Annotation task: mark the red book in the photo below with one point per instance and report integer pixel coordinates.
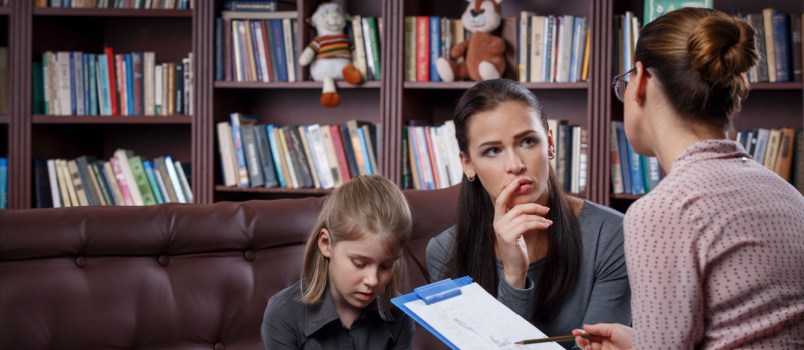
(267, 46)
(343, 164)
(430, 149)
(112, 86)
(422, 48)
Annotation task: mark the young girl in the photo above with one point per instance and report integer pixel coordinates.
(350, 273)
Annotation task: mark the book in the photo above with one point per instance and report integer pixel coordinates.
(75, 177)
(772, 148)
(781, 46)
(161, 167)
(227, 156)
(770, 50)
(332, 157)
(312, 162)
(42, 185)
(130, 181)
(361, 161)
(141, 180)
(149, 83)
(319, 152)
(3, 183)
(298, 157)
(147, 167)
(65, 182)
(255, 175)
(182, 169)
(625, 158)
(249, 5)
(614, 162)
(265, 157)
(160, 182)
(56, 194)
(796, 46)
(422, 48)
(101, 183)
(174, 180)
(655, 8)
(463, 315)
(346, 141)
(637, 182)
(371, 39)
(435, 46)
(278, 49)
(92, 192)
(784, 161)
(276, 156)
(288, 166)
(238, 120)
(760, 70)
(340, 153)
(110, 178)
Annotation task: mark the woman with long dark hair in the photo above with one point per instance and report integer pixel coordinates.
(554, 259)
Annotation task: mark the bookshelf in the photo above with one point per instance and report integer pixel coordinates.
(769, 105)
(390, 103)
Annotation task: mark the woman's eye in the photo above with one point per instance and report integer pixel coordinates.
(491, 152)
(529, 141)
(358, 264)
(386, 267)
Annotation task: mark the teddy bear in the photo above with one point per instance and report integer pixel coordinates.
(484, 52)
(330, 53)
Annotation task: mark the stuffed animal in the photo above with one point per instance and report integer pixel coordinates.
(330, 53)
(484, 52)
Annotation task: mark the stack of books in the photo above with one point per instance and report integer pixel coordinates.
(118, 4)
(125, 179)
(631, 172)
(779, 43)
(302, 156)
(77, 83)
(780, 149)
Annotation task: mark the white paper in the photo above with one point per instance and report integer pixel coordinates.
(476, 320)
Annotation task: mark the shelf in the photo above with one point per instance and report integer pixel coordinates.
(462, 85)
(294, 85)
(5, 119)
(777, 86)
(314, 191)
(139, 119)
(82, 12)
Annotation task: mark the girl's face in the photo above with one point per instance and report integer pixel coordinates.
(359, 270)
(509, 143)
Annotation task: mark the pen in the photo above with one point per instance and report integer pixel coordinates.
(558, 338)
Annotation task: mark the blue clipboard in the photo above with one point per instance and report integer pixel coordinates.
(430, 294)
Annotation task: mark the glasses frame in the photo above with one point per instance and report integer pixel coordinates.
(619, 84)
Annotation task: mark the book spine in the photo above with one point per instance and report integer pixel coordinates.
(343, 163)
(185, 182)
(636, 171)
(279, 49)
(373, 40)
(422, 48)
(102, 184)
(435, 46)
(269, 130)
(174, 179)
(149, 88)
(781, 45)
(625, 158)
(141, 180)
(149, 175)
(290, 56)
(614, 162)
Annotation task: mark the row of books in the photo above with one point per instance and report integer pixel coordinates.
(431, 156)
(778, 41)
(365, 34)
(631, 172)
(552, 48)
(779, 149)
(303, 156)
(76, 83)
(256, 46)
(125, 179)
(118, 4)
(3, 182)
(426, 39)
(626, 33)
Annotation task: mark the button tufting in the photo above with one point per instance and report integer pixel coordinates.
(219, 346)
(164, 260)
(81, 261)
(249, 255)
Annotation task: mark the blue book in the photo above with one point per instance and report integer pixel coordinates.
(92, 82)
(254, 26)
(85, 72)
(279, 49)
(129, 84)
(625, 157)
(219, 49)
(653, 171)
(72, 85)
(106, 172)
(269, 129)
(364, 147)
(577, 48)
(435, 46)
(105, 95)
(237, 120)
(637, 183)
(3, 183)
(781, 47)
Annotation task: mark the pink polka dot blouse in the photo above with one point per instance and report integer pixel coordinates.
(715, 255)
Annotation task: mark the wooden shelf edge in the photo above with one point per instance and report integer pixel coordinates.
(48, 11)
(222, 188)
(631, 197)
(462, 85)
(294, 85)
(778, 86)
(139, 119)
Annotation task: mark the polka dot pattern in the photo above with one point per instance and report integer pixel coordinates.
(715, 255)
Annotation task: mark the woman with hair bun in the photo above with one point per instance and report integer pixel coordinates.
(715, 253)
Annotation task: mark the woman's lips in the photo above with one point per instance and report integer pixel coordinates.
(364, 296)
(524, 186)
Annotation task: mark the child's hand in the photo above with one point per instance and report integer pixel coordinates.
(510, 227)
(613, 336)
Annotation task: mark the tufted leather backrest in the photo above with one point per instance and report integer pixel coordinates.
(171, 276)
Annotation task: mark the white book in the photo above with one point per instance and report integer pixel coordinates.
(174, 179)
(52, 177)
(332, 157)
(188, 85)
(576, 159)
(439, 149)
(99, 85)
(564, 56)
(79, 82)
(161, 184)
(65, 85)
(158, 90)
(536, 48)
(262, 59)
(320, 155)
(185, 185)
(53, 107)
(524, 40)
(133, 190)
(453, 152)
(226, 149)
(149, 88)
(424, 157)
(359, 55)
(290, 55)
(372, 70)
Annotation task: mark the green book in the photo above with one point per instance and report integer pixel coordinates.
(149, 173)
(656, 8)
(142, 180)
(39, 101)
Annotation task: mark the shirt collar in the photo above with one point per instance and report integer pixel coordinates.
(709, 149)
(323, 312)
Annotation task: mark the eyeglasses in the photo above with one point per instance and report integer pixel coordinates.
(620, 83)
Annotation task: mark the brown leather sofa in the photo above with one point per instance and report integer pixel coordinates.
(171, 276)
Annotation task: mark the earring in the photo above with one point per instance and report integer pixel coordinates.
(470, 178)
(551, 153)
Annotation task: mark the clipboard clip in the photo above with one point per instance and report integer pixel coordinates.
(438, 291)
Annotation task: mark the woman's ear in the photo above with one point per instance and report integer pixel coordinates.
(468, 168)
(325, 243)
(640, 83)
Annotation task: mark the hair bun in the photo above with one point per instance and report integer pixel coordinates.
(722, 48)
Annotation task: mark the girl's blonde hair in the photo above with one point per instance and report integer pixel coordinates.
(365, 205)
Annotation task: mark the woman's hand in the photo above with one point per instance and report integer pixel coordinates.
(612, 336)
(510, 226)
